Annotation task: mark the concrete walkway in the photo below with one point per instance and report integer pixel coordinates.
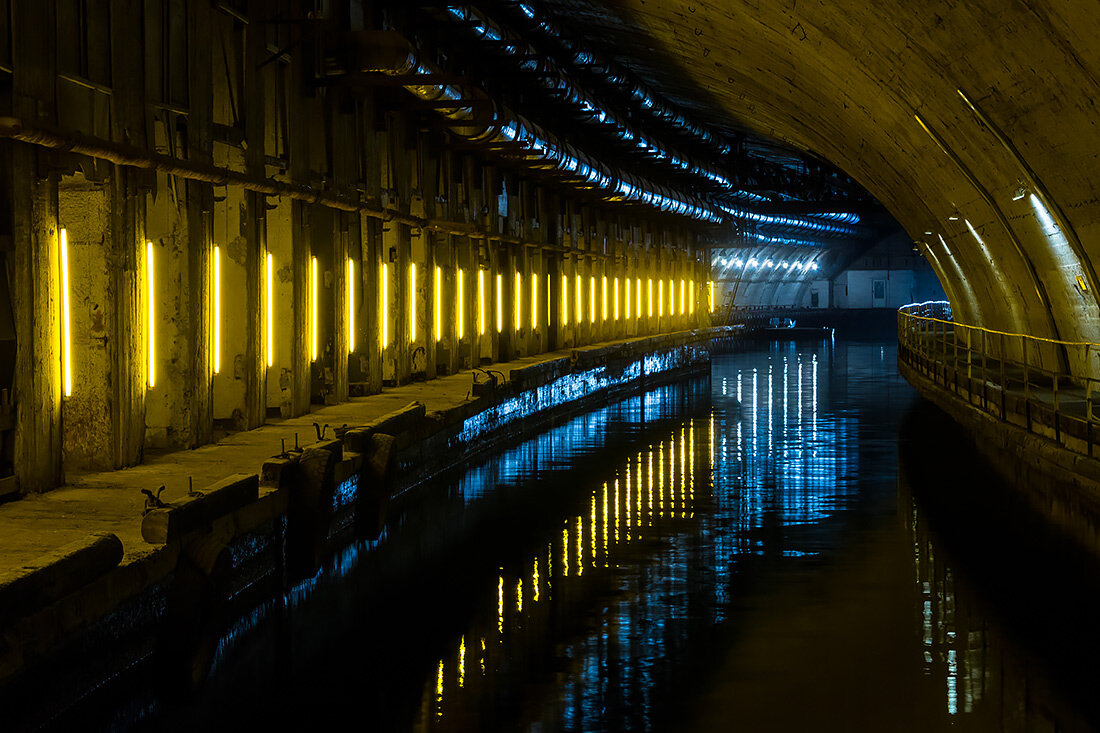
(111, 501)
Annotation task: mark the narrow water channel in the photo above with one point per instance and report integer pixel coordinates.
(739, 551)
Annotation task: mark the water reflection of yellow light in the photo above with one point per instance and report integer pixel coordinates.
(461, 661)
(605, 521)
(439, 690)
(580, 546)
(482, 655)
(649, 504)
(683, 462)
(660, 488)
(672, 474)
(628, 501)
(640, 479)
(617, 505)
(519, 595)
(565, 551)
(691, 456)
(500, 603)
(535, 581)
(592, 538)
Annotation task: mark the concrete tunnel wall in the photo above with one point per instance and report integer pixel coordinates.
(175, 175)
(846, 83)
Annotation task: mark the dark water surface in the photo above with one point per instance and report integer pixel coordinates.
(738, 552)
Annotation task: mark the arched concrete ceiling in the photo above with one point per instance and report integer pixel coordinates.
(844, 80)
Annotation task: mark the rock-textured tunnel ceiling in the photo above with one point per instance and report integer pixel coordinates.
(974, 123)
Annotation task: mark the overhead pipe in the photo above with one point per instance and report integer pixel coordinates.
(648, 101)
(794, 223)
(476, 118)
(844, 217)
(556, 83)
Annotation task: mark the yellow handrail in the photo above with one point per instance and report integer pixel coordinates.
(901, 311)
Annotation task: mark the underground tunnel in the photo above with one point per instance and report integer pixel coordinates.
(548, 365)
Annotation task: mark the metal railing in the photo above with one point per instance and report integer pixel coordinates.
(1044, 385)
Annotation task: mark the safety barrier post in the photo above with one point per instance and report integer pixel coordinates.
(1057, 432)
(1004, 381)
(985, 400)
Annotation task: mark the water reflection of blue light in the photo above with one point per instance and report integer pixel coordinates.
(642, 554)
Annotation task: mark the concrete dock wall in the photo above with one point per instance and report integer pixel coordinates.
(1050, 467)
(225, 557)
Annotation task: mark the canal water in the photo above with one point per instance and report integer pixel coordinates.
(792, 543)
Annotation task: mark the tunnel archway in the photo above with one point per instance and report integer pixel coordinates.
(968, 121)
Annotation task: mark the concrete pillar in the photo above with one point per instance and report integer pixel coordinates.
(128, 257)
(254, 232)
(35, 280)
(300, 131)
(280, 246)
(400, 313)
(84, 212)
(237, 330)
(370, 350)
(251, 101)
(200, 234)
(34, 263)
(301, 325)
(388, 302)
(354, 368)
(466, 259)
(323, 250)
(417, 305)
(339, 312)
